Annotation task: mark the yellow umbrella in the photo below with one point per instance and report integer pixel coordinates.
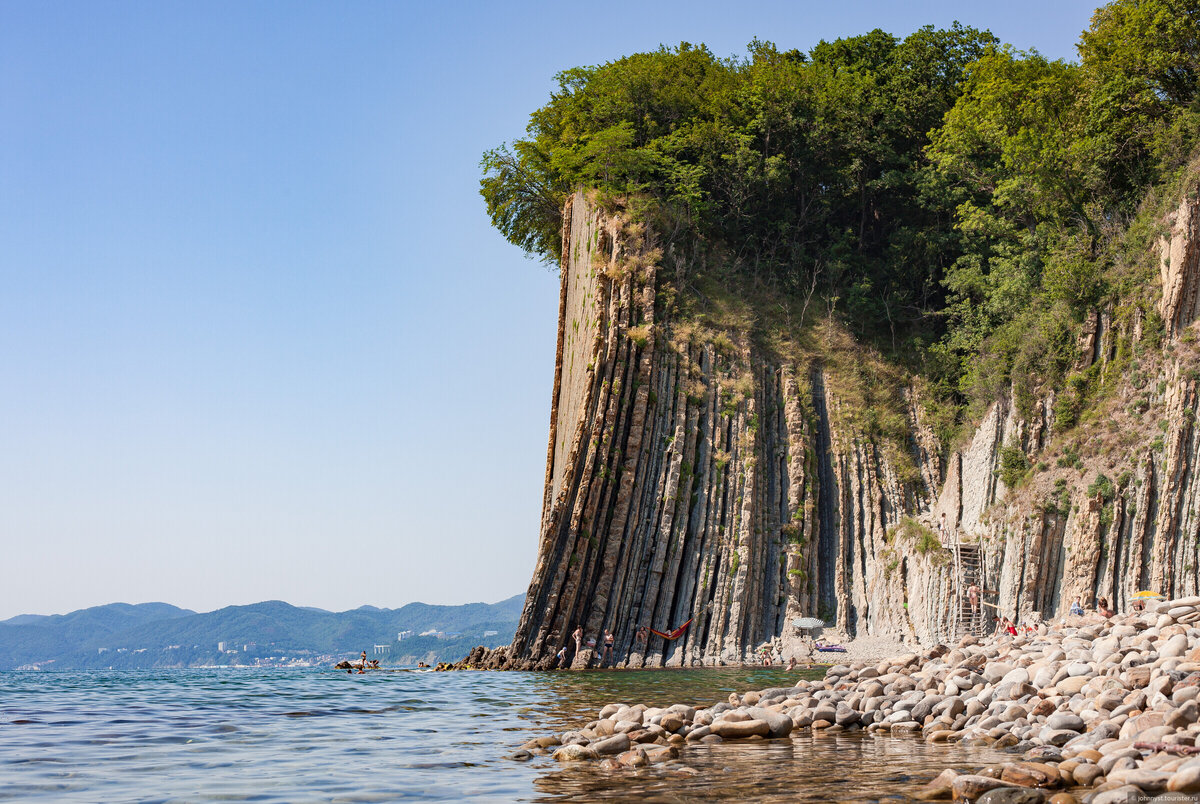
(1147, 595)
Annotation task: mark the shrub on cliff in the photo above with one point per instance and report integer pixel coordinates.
(963, 204)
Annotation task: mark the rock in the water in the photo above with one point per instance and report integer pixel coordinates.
(574, 752)
(778, 724)
(617, 744)
(1012, 795)
(734, 730)
(1031, 774)
(940, 787)
(971, 786)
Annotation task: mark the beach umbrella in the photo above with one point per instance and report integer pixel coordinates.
(808, 622)
(1147, 595)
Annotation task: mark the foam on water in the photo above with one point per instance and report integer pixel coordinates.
(306, 735)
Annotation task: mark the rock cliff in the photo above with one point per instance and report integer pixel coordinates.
(696, 474)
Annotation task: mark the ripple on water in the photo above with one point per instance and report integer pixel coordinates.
(287, 735)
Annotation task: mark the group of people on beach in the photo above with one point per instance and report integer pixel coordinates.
(1103, 610)
(606, 654)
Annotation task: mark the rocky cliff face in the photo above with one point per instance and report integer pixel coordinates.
(695, 476)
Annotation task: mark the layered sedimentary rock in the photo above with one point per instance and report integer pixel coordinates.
(703, 479)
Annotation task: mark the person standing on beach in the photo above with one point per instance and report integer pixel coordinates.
(608, 647)
(562, 658)
(641, 638)
(578, 635)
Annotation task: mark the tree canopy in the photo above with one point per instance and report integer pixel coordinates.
(936, 189)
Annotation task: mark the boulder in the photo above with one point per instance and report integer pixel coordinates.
(940, 787)
(972, 785)
(736, 730)
(1012, 795)
(1031, 774)
(573, 752)
(616, 744)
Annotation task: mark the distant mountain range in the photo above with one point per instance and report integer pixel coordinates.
(272, 633)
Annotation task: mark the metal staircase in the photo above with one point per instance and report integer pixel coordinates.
(969, 570)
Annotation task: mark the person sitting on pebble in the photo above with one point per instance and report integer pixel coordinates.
(1077, 607)
(1102, 608)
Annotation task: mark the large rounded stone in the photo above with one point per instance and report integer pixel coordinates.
(736, 730)
(671, 722)
(1066, 720)
(779, 724)
(941, 786)
(1149, 780)
(1012, 795)
(1018, 675)
(971, 786)
(617, 744)
(1031, 774)
(1086, 775)
(1175, 646)
(1071, 685)
(1126, 794)
(635, 758)
(575, 753)
(1185, 780)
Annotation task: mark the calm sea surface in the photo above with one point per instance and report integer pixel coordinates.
(307, 735)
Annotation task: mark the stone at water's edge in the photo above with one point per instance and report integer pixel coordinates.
(1117, 730)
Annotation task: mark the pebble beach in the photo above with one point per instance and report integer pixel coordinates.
(1090, 709)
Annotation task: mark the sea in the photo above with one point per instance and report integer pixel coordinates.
(299, 735)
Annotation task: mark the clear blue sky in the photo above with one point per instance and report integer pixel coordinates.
(257, 338)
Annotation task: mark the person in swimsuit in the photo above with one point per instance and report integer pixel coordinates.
(608, 646)
(578, 636)
(562, 657)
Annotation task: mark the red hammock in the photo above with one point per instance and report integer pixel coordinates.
(673, 635)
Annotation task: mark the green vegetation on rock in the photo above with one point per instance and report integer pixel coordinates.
(962, 205)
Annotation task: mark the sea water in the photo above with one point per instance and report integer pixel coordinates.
(321, 735)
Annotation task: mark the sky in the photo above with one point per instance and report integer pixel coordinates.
(257, 337)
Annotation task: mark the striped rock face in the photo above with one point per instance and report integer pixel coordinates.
(701, 474)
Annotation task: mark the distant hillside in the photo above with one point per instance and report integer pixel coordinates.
(273, 632)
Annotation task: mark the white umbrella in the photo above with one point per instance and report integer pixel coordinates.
(808, 622)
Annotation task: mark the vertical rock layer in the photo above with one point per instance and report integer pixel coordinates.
(694, 477)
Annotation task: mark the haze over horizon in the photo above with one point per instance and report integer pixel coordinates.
(260, 340)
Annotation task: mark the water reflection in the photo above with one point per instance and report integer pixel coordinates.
(284, 736)
(570, 700)
(844, 767)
